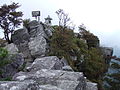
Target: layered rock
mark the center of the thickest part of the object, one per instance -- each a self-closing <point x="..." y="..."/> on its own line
<point x="50" y="62"/>
<point x="61" y="79"/>
<point x="107" y="53"/>
<point x="17" y="85"/>
<point x="47" y="74"/>
<point x="15" y="63"/>
<point x="32" y="42"/>
<point x="11" y="48"/>
<point x="21" y="38"/>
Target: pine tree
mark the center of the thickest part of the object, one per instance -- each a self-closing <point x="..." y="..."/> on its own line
<point x="9" y="19"/>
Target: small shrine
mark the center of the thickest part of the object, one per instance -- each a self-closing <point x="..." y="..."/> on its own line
<point x="48" y="20"/>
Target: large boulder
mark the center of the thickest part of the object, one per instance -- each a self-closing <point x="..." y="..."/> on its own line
<point x="36" y="29"/>
<point x="33" y="43"/>
<point x="38" y="39"/>
<point x="17" y="85"/>
<point x="38" y="46"/>
<point x="15" y="63"/>
<point x="25" y="85"/>
<point x="21" y="38"/>
<point x="61" y="79"/>
<point x="50" y="62"/>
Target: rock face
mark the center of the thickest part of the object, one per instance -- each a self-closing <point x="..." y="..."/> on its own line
<point x="91" y="86"/>
<point x="37" y="46"/>
<point x="11" y="48"/>
<point x="50" y="62"/>
<point x="9" y="70"/>
<point x="21" y="38"/>
<point x="46" y="74"/>
<point x="43" y="71"/>
<point x="61" y="79"/>
<point x="16" y="85"/>
<point x="107" y="51"/>
<point x="32" y="42"/>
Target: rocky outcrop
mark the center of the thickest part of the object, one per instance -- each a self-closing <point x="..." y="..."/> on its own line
<point x="61" y="79"/>
<point x="11" y="48"/>
<point x="16" y="85"/>
<point x="37" y="46"/>
<point x="107" y="53"/>
<point x="21" y="38"/>
<point x="32" y="42"/>
<point x="15" y="63"/>
<point x="42" y="72"/>
<point x="91" y="86"/>
<point x="47" y="74"/>
<point x="50" y="62"/>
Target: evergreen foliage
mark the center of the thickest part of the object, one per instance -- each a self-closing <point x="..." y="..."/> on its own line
<point x="90" y="60"/>
<point x="91" y="39"/>
<point x="62" y="44"/>
<point x="3" y="58"/>
<point x="9" y="19"/>
<point x="26" y="22"/>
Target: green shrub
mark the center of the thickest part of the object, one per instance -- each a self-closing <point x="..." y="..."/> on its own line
<point x="3" y="53"/>
<point x="62" y="44"/>
<point x="6" y="79"/>
<point x="65" y="44"/>
<point x="4" y="60"/>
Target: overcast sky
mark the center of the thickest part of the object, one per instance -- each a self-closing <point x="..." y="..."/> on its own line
<point x="101" y="17"/>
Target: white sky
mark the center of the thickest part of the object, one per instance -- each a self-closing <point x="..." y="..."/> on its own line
<point x="101" y="17"/>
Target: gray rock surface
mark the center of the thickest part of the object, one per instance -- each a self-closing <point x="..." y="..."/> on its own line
<point x="9" y="70"/>
<point x="21" y="38"/>
<point x="11" y="48"/>
<point x="17" y="85"/>
<point x="67" y="68"/>
<point x="45" y="73"/>
<point x="32" y="42"/>
<point x="48" y="30"/>
<point x="61" y="79"/>
<point x="49" y="87"/>
<point x="36" y="29"/>
<point x="91" y="86"/>
<point x="107" y="51"/>
<point x="50" y="62"/>
<point x="37" y="46"/>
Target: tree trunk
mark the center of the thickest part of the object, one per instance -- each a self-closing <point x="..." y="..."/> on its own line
<point x="7" y="38"/>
